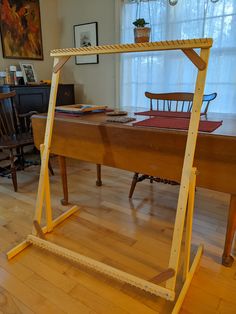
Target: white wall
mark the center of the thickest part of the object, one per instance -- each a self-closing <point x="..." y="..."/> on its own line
<point x="50" y="36"/>
<point x="94" y="83"/>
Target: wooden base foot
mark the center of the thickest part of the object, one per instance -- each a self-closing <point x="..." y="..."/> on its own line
<point x="98" y="183"/>
<point x="188" y="280"/>
<point x="64" y="202"/>
<point x="227" y="261"/>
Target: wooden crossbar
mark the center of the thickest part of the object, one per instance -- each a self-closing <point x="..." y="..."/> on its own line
<point x="102" y="268"/>
<point x="140" y="47"/>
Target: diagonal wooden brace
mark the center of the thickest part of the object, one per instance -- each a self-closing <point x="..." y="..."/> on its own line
<point x="195" y="58"/>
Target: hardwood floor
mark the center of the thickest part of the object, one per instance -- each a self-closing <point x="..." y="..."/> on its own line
<point x="132" y="235"/>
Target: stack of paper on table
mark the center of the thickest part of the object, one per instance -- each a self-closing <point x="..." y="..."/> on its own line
<point x="79" y="108"/>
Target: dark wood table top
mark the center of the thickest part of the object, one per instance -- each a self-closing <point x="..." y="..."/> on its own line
<point x="228" y="127"/>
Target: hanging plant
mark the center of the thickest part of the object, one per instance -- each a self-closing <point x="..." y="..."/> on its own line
<point x="141" y="32"/>
<point x="140" y="23"/>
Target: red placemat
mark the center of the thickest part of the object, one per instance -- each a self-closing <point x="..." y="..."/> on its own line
<point x="174" y="114"/>
<point x="176" y="123"/>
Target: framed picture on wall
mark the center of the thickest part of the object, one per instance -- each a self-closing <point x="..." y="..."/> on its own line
<point x="28" y="73"/>
<point x="86" y="35"/>
<point x="21" y="29"/>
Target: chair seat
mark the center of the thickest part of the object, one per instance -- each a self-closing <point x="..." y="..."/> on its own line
<point x="20" y="140"/>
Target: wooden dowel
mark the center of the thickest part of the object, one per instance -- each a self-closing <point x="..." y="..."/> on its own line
<point x="38" y="229"/>
<point x="163" y="276"/>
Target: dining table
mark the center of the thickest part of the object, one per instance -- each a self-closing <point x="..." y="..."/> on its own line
<point x="157" y="151"/>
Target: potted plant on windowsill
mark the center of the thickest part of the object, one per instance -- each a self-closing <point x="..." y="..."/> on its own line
<point x="141" y="32"/>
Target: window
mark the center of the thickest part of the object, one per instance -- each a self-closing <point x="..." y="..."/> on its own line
<point x="172" y="71"/>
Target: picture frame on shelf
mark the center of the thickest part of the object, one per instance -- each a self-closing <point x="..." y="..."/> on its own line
<point x="28" y="73"/>
<point x="21" y="33"/>
<point x="86" y="35"/>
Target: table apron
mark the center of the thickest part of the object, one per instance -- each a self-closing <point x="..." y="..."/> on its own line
<point x="144" y="150"/>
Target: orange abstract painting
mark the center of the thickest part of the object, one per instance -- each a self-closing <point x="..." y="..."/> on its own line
<point x="21" y="29"/>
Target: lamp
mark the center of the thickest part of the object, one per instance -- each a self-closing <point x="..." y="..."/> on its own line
<point x="173" y="2"/>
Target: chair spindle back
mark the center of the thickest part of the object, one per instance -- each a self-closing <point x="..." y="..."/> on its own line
<point x="9" y="121"/>
<point x="181" y="102"/>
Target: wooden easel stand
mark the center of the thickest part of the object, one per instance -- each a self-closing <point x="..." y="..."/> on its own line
<point x="187" y="185"/>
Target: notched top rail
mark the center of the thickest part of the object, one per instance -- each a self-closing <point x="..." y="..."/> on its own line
<point x="141" y="47"/>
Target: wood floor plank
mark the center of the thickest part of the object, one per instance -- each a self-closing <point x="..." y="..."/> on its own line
<point x="91" y="240"/>
<point x="56" y="296"/>
<point x="207" y="301"/>
<point x="224" y="286"/>
<point x="22" y="307"/>
<point x="144" y="243"/>
<point x="107" y="289"/>
<point x="15" y="268"/>
<point x="7" y="304"/>
<point x="16" y="197"/>
<point x="133" y="235"/>
<point x="112" y="240"/>
<point x="48" y="273"/>
<point x="226" y="307"/>
<point x="97" y="302"/>
<point x="33" y="300"/>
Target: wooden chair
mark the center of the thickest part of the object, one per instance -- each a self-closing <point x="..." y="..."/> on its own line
<point x="180" y="102"/>
<point x="15" y="132"/>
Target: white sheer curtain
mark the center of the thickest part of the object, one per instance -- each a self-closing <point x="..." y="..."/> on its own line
<point x="172" y="71"/>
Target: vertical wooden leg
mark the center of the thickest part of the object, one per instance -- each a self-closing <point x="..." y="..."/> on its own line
<point x="189" y="224"/>
<point x="133" y="184"/>
<point x="45" y="148"/>
<point x="50" y="167"/>
<point x="48" y="208"/>
<point x="62" y="164"/>
<point x="227" y="259"/>
<point x="22" y="158"/>
<point x="48" y="203"/>
<point x="99" y="180"/>
<point x="13" y="170"/>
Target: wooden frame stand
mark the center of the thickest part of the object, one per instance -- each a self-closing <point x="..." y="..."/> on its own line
<point x="187" y="185"/>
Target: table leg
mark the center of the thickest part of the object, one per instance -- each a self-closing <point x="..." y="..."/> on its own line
<point x="99" y="179"/>
<point x="227" y="259"/>
<point x="62" y="164"/>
